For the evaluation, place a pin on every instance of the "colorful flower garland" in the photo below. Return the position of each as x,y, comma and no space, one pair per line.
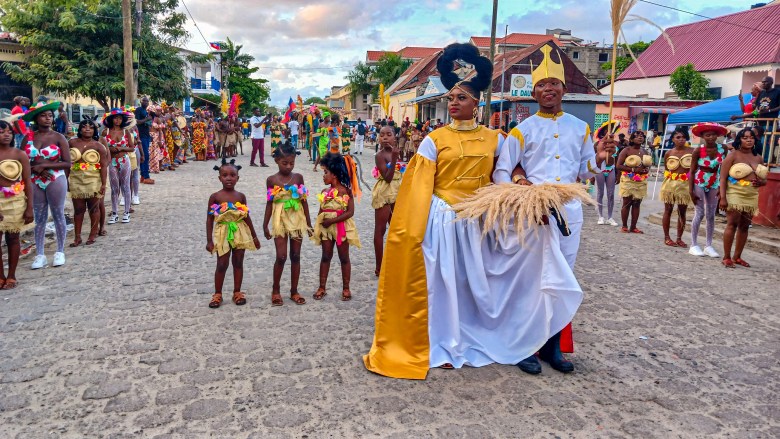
669,175
218,209
399,167
741,182
635,177
83,166
333,194
298,193
13,190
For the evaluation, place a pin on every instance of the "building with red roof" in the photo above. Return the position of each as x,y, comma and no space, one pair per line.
410,53
588,57
733,52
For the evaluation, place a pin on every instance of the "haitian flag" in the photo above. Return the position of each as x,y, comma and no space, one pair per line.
216,45
290,108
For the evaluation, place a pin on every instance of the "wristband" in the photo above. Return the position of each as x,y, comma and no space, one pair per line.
517,178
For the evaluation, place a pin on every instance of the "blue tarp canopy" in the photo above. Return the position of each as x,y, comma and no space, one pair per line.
715,111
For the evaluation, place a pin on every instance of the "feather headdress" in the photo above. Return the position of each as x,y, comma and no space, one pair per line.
235,104
224,106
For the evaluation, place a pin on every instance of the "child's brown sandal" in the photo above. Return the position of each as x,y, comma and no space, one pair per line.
239,298
320,293
216,300
346,295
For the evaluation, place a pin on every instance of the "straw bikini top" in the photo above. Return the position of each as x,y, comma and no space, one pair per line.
11,170
673,162
635,160
741,170
90,156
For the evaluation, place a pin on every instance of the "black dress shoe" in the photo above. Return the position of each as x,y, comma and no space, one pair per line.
530,365
551,353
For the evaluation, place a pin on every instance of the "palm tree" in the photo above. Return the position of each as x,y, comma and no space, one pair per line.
389,68
359,80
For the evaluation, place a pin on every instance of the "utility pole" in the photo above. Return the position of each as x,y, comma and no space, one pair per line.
139,11
127,47
486,113
503,74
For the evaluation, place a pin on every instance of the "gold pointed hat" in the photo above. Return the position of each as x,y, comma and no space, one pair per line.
548,68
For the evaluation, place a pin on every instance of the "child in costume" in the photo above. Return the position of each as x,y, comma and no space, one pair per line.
335,225
16,207
288,212
388,173
229,232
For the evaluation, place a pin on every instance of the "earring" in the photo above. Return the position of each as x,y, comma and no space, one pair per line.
474,113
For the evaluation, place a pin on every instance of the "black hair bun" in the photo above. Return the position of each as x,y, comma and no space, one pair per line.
459,54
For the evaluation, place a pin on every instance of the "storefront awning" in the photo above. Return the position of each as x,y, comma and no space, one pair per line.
633,111
482,103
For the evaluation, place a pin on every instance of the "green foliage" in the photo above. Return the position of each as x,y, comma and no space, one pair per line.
314,100
366,79
389,68
254,91
360,79
75,48
622,62
687,83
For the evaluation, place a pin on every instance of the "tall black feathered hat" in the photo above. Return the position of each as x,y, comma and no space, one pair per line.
456,64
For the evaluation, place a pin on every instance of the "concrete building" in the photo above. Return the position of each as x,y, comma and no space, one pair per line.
341,99
732,51
204,79
12,52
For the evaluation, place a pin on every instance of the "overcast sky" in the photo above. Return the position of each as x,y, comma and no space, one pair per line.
292,40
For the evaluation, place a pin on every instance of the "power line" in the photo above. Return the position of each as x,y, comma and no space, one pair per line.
709,18
195,22
304,68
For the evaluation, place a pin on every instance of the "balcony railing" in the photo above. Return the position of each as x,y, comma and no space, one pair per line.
205,84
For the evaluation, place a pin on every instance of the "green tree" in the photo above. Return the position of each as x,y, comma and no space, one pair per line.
622,62
238,76
389,68
75,48
314,100
360,79
687,83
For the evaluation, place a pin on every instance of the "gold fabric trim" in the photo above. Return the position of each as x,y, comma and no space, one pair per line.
464,125
549,115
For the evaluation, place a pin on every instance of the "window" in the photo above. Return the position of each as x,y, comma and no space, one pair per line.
715,92
575,55
601,82
603,57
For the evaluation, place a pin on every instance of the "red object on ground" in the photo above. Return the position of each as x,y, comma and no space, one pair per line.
769,202
567,341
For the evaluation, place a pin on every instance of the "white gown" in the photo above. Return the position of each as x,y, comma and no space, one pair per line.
491,300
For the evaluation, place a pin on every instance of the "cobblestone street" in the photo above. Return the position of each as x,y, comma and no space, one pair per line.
120,342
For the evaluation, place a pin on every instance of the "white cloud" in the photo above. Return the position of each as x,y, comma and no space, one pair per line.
319,33
455,5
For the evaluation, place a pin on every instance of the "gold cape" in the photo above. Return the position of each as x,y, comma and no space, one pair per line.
401,348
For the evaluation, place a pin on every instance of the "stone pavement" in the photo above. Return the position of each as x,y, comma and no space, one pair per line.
120,343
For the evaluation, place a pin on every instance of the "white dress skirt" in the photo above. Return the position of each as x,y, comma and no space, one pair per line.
492,300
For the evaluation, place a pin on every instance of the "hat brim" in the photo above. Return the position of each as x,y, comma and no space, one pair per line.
32,114
699,130
108,120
